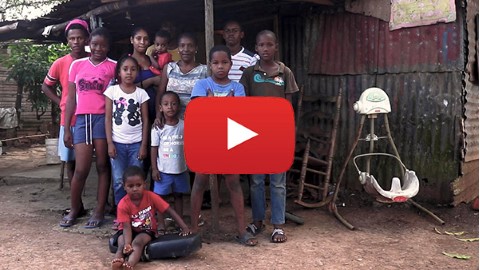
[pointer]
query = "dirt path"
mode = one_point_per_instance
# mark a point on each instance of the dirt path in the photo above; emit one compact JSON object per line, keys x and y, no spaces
{"x":395,"y":237}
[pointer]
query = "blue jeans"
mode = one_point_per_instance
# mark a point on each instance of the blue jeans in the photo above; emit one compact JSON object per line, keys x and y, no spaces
{"x":127,"y":155}
{"x":277,"y":197}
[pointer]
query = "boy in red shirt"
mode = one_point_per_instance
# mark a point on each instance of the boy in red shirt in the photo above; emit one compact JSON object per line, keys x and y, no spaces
{"x":136,"y":215}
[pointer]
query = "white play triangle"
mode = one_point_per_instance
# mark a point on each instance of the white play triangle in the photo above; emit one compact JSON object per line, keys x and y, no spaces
{"x":237,"y":134}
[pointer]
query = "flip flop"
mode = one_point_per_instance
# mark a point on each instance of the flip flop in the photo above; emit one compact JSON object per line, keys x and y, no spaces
{"x":67,"y":222}
{"x":278,"y":231}
{"x":82,"y":212}
{"x":93,"y":223}
{"x":253,"y":229}
{"x":247,"y":239}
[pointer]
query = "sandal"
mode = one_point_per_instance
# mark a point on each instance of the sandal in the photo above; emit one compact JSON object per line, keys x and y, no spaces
{"x":253,"y":229}
{"x":278,"y":232}
{"x":161,"y":232}
{"x":82,"y":212}
{"x":93,"y":223}
{"x":67,"y":222}
{"x":247,"y":239}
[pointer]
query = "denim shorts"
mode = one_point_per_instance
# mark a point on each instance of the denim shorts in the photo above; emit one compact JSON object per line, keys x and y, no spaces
{"x":65,"y":153}
{"x":88,"y":128}
{"x":176,"y":183}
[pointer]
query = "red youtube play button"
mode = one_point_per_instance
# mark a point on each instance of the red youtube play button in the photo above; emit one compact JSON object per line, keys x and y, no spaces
{"x":239,"y":135}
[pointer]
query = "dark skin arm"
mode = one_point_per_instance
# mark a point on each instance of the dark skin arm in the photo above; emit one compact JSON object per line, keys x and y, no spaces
{"x":51,"y":93}
{"x":153,"y":158}
{"x":159,"y":120}
{"x":127,"y":235}
{"x":112,"y":152}
{"x":142,"y":154}
{"x":69,"y":111}
{"x":185,"y":229}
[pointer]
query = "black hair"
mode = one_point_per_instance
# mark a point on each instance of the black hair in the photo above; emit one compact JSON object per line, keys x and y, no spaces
{"x":188,"y":35}
{"x":76,"y":26}
{"x":233,"y":22}
{"x":163,"y":34}
{"x":266,"y":32}
{"x":133,"y":171}
{"x":219,"y":48}
{"x":171,"y":93}
{"x":138,"y":29}
{"x":120,"y":62}
{"x":101,"y":31}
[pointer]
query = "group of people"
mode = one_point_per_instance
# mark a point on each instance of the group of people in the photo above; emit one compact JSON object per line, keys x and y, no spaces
{"x":129,"y":114}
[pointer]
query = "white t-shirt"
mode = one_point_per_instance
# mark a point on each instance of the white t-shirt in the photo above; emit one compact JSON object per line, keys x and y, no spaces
{"x":240,"y":61}
{"x":169,"y":140}
{"x":126,"y":114}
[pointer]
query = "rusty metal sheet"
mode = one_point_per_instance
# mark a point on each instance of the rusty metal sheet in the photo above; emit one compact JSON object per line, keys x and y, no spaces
{"x":356,"y":44}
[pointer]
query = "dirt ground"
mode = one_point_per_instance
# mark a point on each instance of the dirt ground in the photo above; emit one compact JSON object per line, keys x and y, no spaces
{"x":387,"y":236}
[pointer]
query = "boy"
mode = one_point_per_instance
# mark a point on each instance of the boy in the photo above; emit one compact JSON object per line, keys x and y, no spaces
{"x":77,"y":34}
{"x":273,"y":79}
{"x":136,"y":215}
{"x":160,"y":56}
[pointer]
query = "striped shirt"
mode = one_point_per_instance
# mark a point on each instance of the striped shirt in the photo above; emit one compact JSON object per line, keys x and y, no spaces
{"x":240,"y":61}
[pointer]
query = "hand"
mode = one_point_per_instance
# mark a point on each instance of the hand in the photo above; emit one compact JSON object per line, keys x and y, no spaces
{"x":67,"y":138}
{"x":127,"y":249}
{"x":210,"y":93}
{"x":159,"y":122}
{"x":155,"y":175}
{"x":142,"y":154}
{"x":185,"y":231}
{"x":112,"y":151}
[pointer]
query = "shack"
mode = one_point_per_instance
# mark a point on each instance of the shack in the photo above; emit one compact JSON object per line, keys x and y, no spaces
{"x":429,"y":68}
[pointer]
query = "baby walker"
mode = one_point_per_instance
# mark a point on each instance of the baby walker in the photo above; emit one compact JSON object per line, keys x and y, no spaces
{"x":372,"y":102}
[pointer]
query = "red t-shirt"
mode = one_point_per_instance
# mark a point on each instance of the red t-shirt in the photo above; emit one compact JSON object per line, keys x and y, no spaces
{"x":142,"y":217}
{"x":58,"y":73}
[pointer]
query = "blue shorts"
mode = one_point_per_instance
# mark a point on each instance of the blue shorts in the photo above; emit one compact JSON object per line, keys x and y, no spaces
{"x":65,"y":153}
{"x":88,"y":128}
{"x":176,"y":183}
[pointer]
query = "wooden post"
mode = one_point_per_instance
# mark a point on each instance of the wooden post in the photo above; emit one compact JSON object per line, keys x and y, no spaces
{"x":208,"y":45}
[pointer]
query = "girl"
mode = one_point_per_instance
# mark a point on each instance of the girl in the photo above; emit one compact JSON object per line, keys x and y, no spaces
{"x":136,"y":212}
{"x":220,"y":85}
{"x":126,"y":122}
{"x":88,"y":78}
{"x":169,"y":169}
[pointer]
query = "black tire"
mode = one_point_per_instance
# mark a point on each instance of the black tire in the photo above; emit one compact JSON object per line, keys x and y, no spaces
{"x":294,"y":218}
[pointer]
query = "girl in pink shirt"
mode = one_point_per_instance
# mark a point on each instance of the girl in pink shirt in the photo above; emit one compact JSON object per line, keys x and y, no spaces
{"x":88,"y":78}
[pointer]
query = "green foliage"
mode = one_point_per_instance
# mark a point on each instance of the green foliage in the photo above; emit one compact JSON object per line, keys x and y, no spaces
{"x":28,"y":64}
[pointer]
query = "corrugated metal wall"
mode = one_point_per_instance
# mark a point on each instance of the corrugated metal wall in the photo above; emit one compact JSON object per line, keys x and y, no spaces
{"x":420,"y":69}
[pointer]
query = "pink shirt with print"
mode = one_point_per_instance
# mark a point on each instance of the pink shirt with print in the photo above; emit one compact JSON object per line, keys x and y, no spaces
{"x":91,"y":81}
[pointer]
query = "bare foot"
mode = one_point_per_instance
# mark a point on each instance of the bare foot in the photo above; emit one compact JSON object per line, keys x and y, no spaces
{"x":127,"y":266}
{"x":117,"y":264}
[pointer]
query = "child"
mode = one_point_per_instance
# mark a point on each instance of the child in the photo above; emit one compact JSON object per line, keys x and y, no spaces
{"x":220,"y":85}
{"x":87,"y":80}
{"x":126,"y":122}
{"x":136,"y":213}
{"x":169,"y":169}
{"x":160,"y":56}
{"x":268,"y":78}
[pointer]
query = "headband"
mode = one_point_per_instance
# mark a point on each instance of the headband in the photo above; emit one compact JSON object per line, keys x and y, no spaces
{"x":77,"y":21}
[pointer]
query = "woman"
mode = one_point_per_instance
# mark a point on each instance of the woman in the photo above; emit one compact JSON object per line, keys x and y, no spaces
{"x":181,"y":76}
{"x":146,"y":79}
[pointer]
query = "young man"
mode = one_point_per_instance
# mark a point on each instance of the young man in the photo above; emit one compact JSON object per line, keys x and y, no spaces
{"x":77,"y":33}
{"x":241,"y":57}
